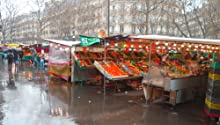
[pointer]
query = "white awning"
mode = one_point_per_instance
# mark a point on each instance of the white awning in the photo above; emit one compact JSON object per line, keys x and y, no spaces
{"x":177,"y":39}
{"x":63,"y":42}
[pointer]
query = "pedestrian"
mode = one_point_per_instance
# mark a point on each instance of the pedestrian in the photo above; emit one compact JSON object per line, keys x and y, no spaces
{"x":34,"y":56}
{"x":15,"y":60}
{"x":21,"y":55}
{"x":5,"y":56}
{"x":10,"y":60}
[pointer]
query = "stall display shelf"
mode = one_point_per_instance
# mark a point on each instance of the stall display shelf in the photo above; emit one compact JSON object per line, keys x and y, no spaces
{"x":85,"y":63}
{"x":118,"y":71}
{"x":88,"y":55}
{"x":110,"y":70}
{"x":123,"y":55}
{"x":130,"y":69}
{"x":86,"y":59}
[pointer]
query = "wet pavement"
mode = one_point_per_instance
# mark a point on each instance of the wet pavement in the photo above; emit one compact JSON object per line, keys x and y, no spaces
{"x":37,"y":100}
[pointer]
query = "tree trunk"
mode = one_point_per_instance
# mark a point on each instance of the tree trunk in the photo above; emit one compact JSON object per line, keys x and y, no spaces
{"x":147,"y":2}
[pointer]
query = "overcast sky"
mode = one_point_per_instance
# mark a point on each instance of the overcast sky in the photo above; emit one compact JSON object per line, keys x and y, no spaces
{"x":23,"y":6}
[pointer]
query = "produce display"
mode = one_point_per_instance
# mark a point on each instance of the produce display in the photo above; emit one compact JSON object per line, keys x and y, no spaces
{"x":86,"y":59}
{"x":131,"y":70}
{"x":135,"y":63}
{"x":186,"y":66}
{"x":110,"y":69}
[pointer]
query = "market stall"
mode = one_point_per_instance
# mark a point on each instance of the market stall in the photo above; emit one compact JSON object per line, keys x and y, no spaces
{"x":41,"y":50}
{"x":60,"y":58}
{"x":183,"y":70}
{"x":124,"y":62}
{"x":89,"y":50}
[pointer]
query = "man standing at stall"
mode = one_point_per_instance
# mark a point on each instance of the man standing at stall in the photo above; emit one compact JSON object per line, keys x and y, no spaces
{"x":34,"y":56}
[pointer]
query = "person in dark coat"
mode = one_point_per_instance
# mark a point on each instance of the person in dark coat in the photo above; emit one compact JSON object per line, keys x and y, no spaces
{"x":21,"y":54}
{"x":10,"y":60}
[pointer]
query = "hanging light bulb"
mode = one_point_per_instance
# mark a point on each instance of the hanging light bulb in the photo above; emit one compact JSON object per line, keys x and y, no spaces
{"x":190,"y":46}
{"x":146,"y":47}
{"x":116,"y":44}
{"x":130,"y":49}
{"x":213,"y":47}
{"x":61,"y":49}
{"x":51,"y":44}
{"x":217,"y":48}
{"x":140,"y":46}
{"x":134,"y":49}
{"x":164,"y":47}
{"x":125,"y":45}
{"x":166,"y":44}
{"x":196,"y":46}
{"x":182,"y":45}
{"x":158,"y":47}
{"x":132,"y":45}
{"x":203,"y":47}
{"x":157,"y":43}
{"x":208,"y":47}
{"x":107,"y":44}
{"x":174,"y":44}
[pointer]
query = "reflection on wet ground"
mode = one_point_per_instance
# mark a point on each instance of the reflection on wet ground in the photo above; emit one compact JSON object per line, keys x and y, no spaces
{"x":40,"y":101}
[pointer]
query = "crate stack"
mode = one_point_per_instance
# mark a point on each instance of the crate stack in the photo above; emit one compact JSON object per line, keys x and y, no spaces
{"x":212,"y":101}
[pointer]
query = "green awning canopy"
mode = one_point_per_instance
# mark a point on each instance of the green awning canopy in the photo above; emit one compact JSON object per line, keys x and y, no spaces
{"x":88,"y":41}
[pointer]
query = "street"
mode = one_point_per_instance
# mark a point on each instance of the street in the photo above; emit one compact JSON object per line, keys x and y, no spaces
{"x":37,"y":100}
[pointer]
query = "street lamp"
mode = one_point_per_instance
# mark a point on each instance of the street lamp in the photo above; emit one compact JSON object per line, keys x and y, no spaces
{"x":108,"y":24}
{"x":108,"y":17}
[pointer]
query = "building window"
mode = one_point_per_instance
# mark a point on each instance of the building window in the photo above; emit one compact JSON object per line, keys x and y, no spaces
{"x":112,"y":29}
{"x":142,"y":29}
{"x":133,"y":19}
{"x":122,"y":18}
{"x":113,"y":7}
{"x":133,"y":28}
{"x":122,"y":6}
{"x":142,"y":7}
{"x":113,"y":18}
{"x":121,"y":28}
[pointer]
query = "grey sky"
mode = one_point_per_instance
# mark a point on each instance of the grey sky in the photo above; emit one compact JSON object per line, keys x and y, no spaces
{"x":22,"y":6}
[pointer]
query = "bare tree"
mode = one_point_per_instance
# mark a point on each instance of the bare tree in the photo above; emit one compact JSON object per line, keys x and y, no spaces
{"x":9,"y":12}
{"x":213,"y":12}
{"x":143,"y":14}
{"x":40,"y":10}
{"x":61,"y":17}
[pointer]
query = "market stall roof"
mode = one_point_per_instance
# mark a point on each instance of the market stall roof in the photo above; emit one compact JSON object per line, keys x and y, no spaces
{"x":63,"y":42}
{"x":177,"y":39}
{"x":22,"y":44}
{"x":12,"y":45}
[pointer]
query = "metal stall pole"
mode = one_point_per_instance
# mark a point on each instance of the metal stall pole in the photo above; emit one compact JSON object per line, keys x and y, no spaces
{"x":108,"y":17}
{"x":73,"y":66}
{"x":108,"y":24}
{"x":104,"y":86}
{"x":147,"y":87}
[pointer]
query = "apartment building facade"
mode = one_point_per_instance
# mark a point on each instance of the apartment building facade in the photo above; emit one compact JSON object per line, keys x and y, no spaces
{"x":70,"y":19}
{"x":126,"y":17}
